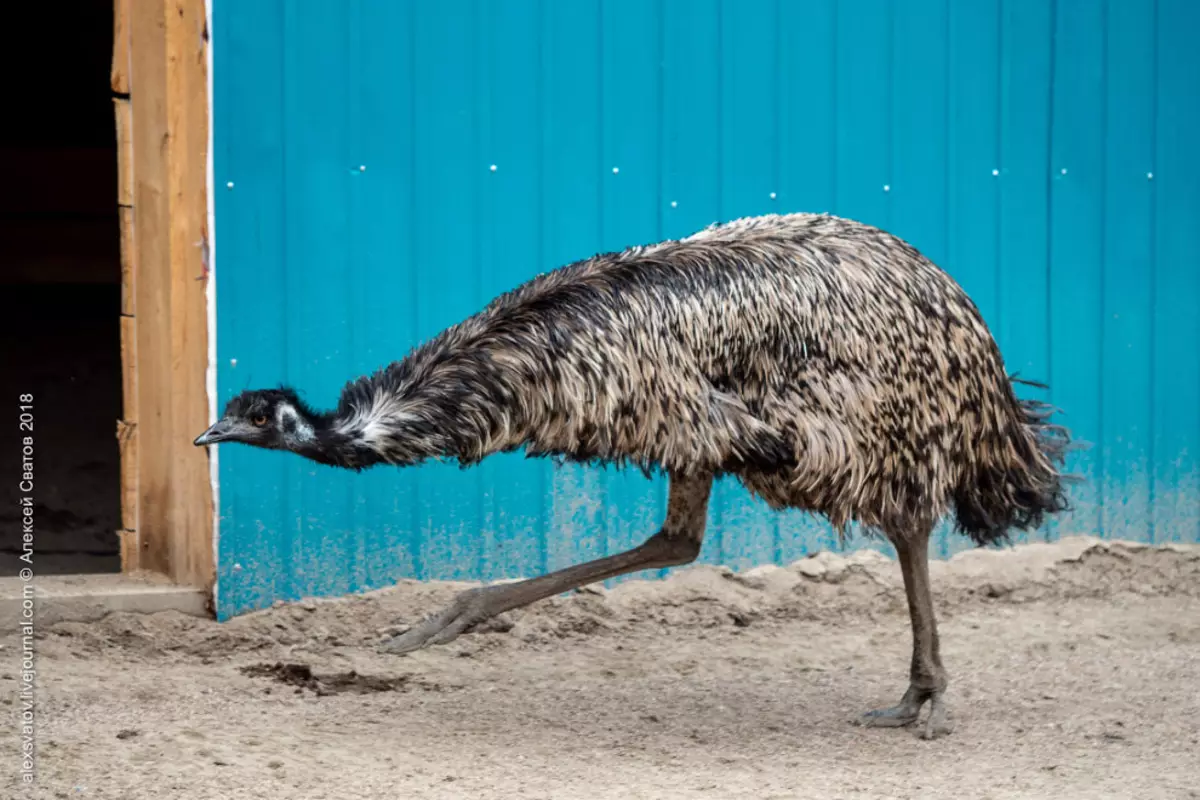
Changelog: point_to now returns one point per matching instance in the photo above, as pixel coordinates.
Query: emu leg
(928, 677)
(678, 542)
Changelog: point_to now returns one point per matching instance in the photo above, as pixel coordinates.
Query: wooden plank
(187, 179)
(119, 77)
(128, 263)
(170, 354)
(127, 429)
(123, 113)
(127, 444)
(169, 120)
(130, 552)
(148, 72)
(129, 374)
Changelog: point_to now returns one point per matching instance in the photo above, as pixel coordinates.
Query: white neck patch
(303, 431)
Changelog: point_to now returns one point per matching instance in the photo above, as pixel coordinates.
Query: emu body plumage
(825, 363)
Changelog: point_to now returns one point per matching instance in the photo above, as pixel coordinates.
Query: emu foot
(908, 710)
(467, 610)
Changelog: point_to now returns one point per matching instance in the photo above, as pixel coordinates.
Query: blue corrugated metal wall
(383, 168)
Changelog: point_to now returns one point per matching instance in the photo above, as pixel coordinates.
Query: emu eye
(260, 420)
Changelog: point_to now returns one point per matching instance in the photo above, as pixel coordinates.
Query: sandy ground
(1075, 669)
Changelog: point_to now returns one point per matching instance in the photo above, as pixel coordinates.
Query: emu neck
(338, 442)
(327, 446)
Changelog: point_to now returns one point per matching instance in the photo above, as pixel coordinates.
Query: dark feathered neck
(363, 432)
(324, 439)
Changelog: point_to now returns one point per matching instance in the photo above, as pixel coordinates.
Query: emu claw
(898, 716)
(467, 610)
(938, 723)
(907, 711)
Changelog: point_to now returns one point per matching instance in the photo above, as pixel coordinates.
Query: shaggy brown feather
(825, 362)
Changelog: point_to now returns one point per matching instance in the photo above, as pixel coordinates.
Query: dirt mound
(303, 678)
(823, 587)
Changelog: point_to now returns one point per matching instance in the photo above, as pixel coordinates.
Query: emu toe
(467, 610)
(908, 711)
(939, 723)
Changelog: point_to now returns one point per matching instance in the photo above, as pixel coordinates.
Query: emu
(825, 363)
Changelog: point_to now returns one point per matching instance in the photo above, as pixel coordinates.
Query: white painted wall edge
(211, 302)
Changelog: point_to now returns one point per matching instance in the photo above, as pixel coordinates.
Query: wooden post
(190, 518)
(119, 77)
(166, 497)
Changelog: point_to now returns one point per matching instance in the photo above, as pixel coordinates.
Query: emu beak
(218, 432)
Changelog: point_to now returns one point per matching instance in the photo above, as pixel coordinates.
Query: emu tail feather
(1023, 483)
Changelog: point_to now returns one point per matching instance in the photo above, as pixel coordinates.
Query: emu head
(276, 419)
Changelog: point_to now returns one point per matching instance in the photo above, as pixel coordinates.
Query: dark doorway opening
(60, 277)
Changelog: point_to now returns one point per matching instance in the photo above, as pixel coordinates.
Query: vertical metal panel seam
(717, 512)
(1152, 450)
(776, 123)
(285, 496)
(419, 566)
(998, 184)
(1047, 532)
(602, 484)
(660, 160)
(601, 154)
(776, 114)
(720, 109)
(544, 515)
(1102, 312)
(660, 93)
(946, 28)
(833, 112)
(354, 145)
(948, 161)
(890, 112)
(480, 50)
